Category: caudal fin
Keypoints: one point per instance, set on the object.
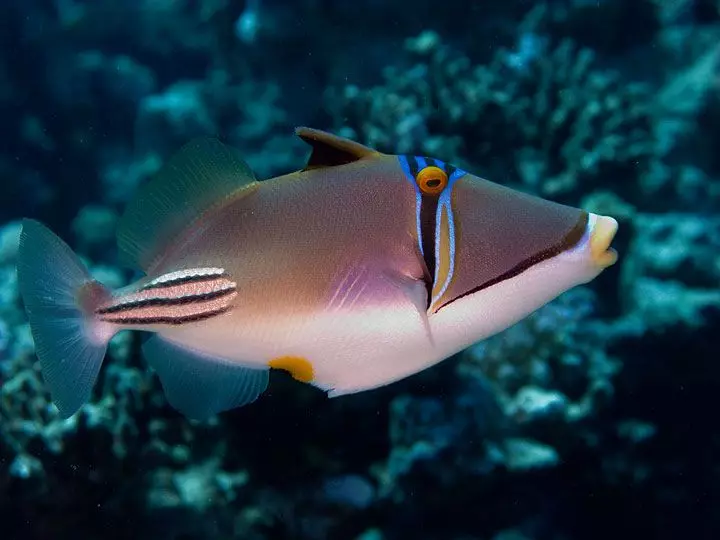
(60, 297)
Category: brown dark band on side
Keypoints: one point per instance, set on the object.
(568, 241)
(150, 302)
(175, 321)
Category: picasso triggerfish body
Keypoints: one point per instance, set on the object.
(358, 270)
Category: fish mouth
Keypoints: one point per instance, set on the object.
(600, 239)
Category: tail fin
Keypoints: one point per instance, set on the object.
(60, 297)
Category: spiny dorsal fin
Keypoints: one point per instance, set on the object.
(330, 150)
(201, 175)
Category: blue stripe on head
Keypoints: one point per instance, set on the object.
(406, 168)
(418, 199)
(418, 221)
(445, 203)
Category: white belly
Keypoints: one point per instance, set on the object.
(359, 350)
(348, 352)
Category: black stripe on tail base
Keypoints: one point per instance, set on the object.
(176, 298)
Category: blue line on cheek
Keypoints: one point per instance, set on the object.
(421, 162)
(445, 203)
(418, 199)
(405, 167)
(418, 221)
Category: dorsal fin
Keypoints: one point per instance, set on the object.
(201, 175)
(330, 150)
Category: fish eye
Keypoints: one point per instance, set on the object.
(431, 180)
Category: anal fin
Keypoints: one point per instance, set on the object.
(200, 385)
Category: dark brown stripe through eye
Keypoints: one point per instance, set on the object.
(428, 217)
(180, 301)
(428, 213)
(413, 165)
(567, 242)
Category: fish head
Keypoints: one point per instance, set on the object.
(475, 234)
(470, 233)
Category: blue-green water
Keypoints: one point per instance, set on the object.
(595, 417)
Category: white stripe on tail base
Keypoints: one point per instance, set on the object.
(175, 298)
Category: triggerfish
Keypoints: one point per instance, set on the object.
(361, 269)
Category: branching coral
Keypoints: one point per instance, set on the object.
(541, 115)
(126, 427)
(672, 274)
(552, 365)
(246, 115)
(523, 425)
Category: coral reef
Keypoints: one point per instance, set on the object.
(537, 115)
(587, 419)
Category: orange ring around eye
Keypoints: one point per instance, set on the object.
(431, 180)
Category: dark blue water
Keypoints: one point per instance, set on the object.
(595, 417)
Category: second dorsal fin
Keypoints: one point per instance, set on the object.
(330, 150)
(201, 175)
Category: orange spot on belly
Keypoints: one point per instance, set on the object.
(298, 367)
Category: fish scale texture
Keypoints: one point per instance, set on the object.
(593, 418)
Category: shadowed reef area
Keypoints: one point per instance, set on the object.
(595, 417)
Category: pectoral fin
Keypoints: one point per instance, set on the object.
(365, 287)
(361, 286)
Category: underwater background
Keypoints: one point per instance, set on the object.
(598, 416)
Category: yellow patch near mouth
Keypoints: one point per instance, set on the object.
(298, 367)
